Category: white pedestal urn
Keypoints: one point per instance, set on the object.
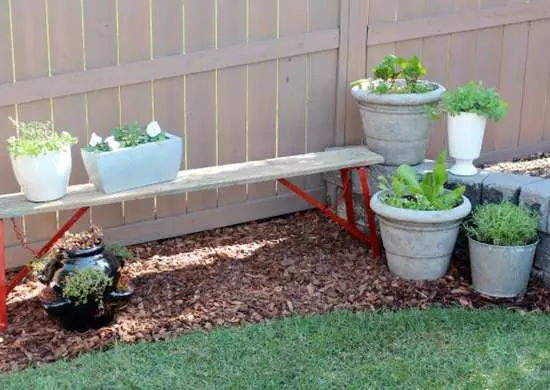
(45, 177)
(465, 131)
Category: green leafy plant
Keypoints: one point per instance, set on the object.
(83, 285)
(396, 75)
(119, 250)
(471, 98)
(503, 224)
(406, 191)
(36, 138)
(126, 137)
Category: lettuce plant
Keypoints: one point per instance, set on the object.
(404, 190)
(396, 75)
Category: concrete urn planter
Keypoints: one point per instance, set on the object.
(501, 271)
(397, 126)
(128, 168)
(45, 177)
(465, 132)
(419, 244)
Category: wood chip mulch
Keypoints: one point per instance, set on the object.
(534, 165)
(244, 274)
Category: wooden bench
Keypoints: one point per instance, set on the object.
(82, 197)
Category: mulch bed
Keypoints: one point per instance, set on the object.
(244, 274)
(534, 165)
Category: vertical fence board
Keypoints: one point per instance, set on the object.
(69, 112)
(135, 100)
(100, 41)
(406, 10)
(169, 93)
(514, 54)
(536, 80)
(232, 97)
(488, 60)
(201, 105)
(262, 93)
(380, 11)
(31, 60)
(322, 85)
(292, 85)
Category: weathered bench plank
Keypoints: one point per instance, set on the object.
(15, 205)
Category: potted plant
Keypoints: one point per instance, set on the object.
(502, 240)
(419, 221)
(468, 107)
(41, 160)
(392, 105)
(133, 156)
(83, 281)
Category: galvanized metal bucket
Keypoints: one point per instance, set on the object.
(501, 271)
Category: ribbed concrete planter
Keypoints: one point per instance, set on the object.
(397, 125)
(418, 244)
(501, 271)
(140, 166)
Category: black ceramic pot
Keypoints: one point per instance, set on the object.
(91, 315)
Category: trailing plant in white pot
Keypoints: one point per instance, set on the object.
(41, 160)
(468, 107)
(392, 106)
(132, 156)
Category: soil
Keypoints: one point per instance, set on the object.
(534, 165)
(300, 263)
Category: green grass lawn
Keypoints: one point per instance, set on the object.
(450, 348)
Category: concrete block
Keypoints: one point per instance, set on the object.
(542, 275)
(474, 185)
(542, 256)
(536, 196)
(373, 173)
(499, 187)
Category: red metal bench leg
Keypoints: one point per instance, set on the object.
(65, 228)
(348, 195)
(3, 287)
(371, 221)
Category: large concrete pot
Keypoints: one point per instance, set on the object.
(419, 244)
(501, 271)
(397, 125)
(139, 166)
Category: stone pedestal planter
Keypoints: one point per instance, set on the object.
(419, 244)
(501, 271)
(45, 177)
(397, 125)
(466, 133)
(134, 167)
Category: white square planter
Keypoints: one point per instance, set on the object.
(140, 166)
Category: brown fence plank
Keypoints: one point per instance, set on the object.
(201, 108)
(322, 85)
(31, 60)
(232, 90)
(135, 100)
(407, 10)
(262, 93)
(69, 113)
(536, 80)
(170, 93)
(292, 85)
(103, 109)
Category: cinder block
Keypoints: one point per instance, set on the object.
(373, 173)
(536, 196)
(474, 185)
(499, 187)
(542, 256)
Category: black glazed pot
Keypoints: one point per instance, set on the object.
(81, 317)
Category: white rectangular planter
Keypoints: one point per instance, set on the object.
(140, 166)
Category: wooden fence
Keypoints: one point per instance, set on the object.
(248, 79)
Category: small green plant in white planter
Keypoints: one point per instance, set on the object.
(392, 106)
(41, 160)
(502, 239)
(132, 156)
(419, 221)
(468, 107)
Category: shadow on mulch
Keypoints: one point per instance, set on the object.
(301, 263)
